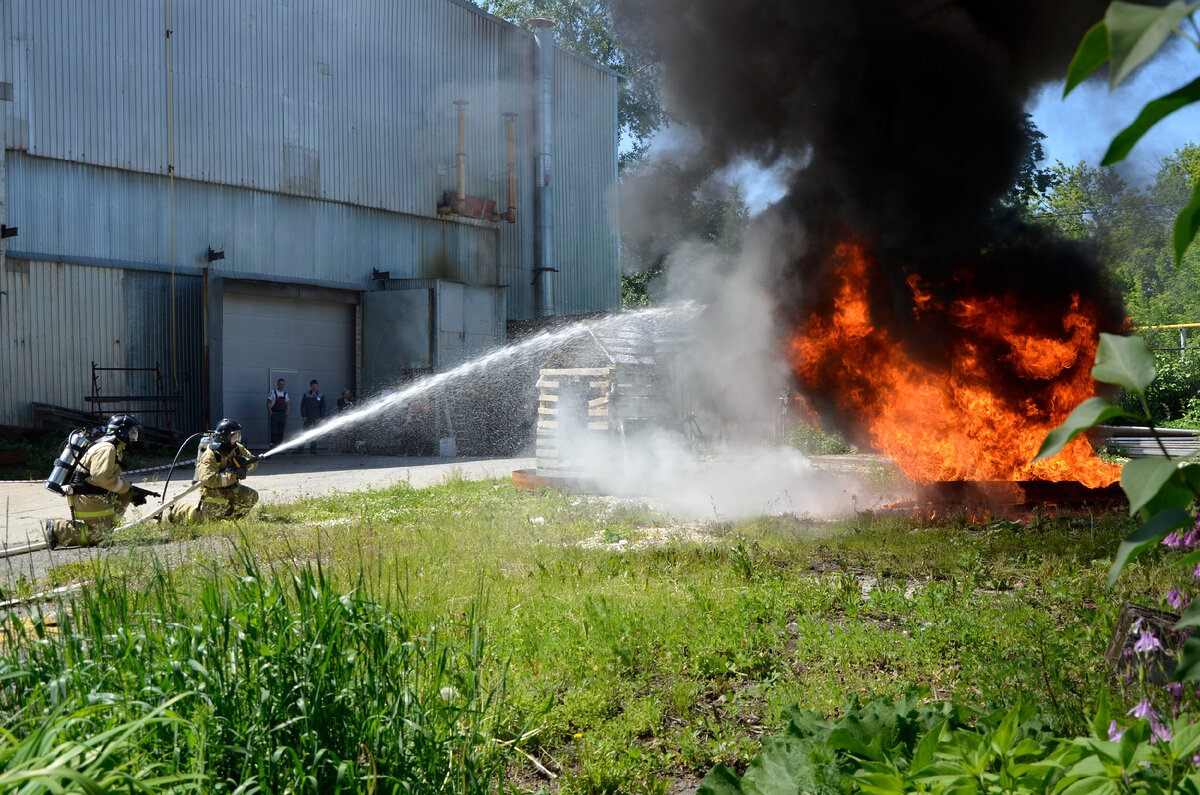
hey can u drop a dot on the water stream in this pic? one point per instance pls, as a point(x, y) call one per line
point(646, 324)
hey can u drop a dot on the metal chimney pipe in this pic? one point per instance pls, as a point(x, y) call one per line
point(510, 121)
point(543, 239)
point(460, 196)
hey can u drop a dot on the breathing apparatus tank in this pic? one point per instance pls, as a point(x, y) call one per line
point(69, 457)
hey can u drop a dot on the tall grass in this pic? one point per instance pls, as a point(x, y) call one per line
point(280, 682)
point(381, 668)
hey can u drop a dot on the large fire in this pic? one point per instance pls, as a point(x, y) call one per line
point(956, 422)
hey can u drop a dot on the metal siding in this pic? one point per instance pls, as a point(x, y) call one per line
point(262, 333)
point(74, 210)
point(358, 87)
point(586, 246)
point(356, 98)
point(57, 319)
point(149, 340)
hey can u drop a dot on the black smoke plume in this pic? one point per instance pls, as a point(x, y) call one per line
point(905, 124)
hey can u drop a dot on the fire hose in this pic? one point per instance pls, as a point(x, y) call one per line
point(141, 471)
point(159, 509)
point(37, 546)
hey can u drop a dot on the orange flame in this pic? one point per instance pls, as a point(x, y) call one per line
point(954, 424)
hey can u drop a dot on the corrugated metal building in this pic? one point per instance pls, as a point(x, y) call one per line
point(238, 190)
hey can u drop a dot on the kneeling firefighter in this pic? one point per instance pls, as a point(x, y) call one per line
point(222, 465)
point(96, 490)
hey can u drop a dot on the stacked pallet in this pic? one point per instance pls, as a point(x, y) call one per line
point(592, 394)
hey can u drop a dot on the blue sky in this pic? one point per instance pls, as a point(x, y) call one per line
point(1081, 126)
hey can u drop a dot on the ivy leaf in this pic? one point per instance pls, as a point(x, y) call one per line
point(1142, 478)
point(1100, 721)
point(1124, 361)
point(1174, 494)
point(1189, 661)
point(1091, 55)
point(1135, 32)
point(1191, 616)
point(1186, 224)
point(1190, 559)
point(1087, 414)
point(1146, 536)
point(1154, 112)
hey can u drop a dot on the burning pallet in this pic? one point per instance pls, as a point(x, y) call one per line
point(1008, 498)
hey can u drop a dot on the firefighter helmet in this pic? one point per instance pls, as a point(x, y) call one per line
point(123, 427)
point(227, 430)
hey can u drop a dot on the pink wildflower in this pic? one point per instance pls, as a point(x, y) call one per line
point(1192, 538)
point(1173, 540)
point(1144, 710)
point(1115, 732)
point(1196, 573)
point(1147, 643)
point(1176, 599)
point(1160, 731)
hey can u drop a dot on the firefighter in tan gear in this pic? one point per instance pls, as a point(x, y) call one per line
point(219, 470)
point(98, 493)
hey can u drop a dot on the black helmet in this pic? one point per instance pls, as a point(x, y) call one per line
point(227, 430)
point(123, 427)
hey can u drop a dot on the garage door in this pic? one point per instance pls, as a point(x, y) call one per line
point(298, 339)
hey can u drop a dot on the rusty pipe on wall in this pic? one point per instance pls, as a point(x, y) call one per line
point(510, 121)
point(460, 195)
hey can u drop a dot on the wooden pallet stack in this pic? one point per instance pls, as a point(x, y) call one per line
point(594, 394)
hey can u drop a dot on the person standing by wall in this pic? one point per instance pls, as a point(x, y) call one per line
point(312, 410)
point(278, 406)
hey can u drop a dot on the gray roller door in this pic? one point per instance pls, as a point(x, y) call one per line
point(298, 338)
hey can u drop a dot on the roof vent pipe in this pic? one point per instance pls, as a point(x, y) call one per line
point(460, 195)
point(510, 122)
point(543, 239)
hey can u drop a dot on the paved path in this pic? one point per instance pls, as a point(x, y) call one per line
point(281, 478)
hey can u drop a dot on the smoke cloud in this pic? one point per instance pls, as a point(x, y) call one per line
point(906, 122)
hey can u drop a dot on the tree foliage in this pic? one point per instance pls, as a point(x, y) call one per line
point(585, 27)
point(1128, 36)
point(1131, 230)
point(1032, 180)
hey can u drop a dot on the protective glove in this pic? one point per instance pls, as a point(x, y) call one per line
point(139, 495)
point(240, 473)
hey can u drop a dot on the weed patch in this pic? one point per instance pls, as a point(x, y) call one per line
point(440, 639)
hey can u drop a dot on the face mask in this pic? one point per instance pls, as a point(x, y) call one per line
point(133, 435)
point(235, 437)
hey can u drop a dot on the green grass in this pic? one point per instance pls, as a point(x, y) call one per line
point(320, 655)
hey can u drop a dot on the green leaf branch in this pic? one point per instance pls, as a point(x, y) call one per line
point(1128, 36)
point(1161, 490)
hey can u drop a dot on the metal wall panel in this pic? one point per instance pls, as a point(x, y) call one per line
point(586, 240)
point(277, 108)
point(351, 102)
point(56, 320)
point(314, 339)
point(73, 210)
point(164, 325)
